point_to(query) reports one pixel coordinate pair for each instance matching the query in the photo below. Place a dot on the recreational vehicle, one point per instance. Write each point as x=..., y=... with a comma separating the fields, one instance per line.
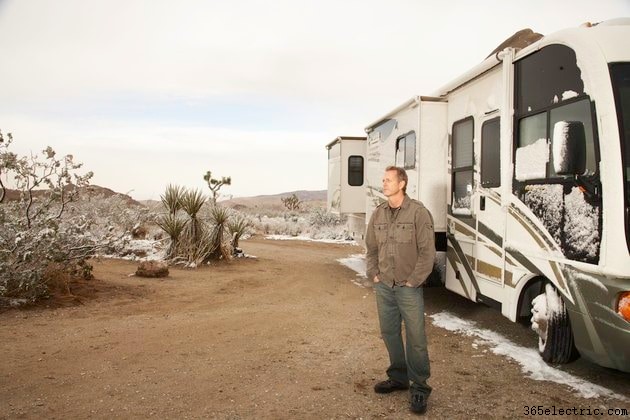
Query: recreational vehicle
x=524, y=162
x=346, y=183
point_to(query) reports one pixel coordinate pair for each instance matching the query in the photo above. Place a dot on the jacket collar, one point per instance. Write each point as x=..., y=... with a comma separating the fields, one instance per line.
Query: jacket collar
x=405, y=202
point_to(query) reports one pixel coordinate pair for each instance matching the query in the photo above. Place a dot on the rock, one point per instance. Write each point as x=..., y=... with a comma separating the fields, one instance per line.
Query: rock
x=152, y=269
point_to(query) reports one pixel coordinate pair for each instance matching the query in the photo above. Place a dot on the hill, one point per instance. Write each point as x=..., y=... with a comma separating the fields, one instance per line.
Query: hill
x=310, y=198
x=91, y=190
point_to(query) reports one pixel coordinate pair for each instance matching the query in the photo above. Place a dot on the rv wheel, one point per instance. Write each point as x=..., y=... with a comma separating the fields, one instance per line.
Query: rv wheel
x=550, y=321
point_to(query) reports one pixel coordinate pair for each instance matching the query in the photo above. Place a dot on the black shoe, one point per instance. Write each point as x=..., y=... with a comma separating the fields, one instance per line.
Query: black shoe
x=418, y=403
x=388, y=386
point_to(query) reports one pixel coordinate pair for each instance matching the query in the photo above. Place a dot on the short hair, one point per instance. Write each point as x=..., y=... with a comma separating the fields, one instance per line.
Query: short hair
x=401, y=174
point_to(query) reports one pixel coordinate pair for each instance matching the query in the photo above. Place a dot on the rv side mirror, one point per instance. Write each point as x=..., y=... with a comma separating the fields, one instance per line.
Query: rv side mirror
x=569, y=148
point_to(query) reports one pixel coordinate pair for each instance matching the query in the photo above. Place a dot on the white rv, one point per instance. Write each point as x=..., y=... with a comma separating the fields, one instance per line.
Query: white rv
x=524, y=162
x=346, y=183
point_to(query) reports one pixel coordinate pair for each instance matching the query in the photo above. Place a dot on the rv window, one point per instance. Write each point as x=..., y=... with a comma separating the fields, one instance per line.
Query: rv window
x=533, y=158
x=490, y=154
x=462, y=166
x=406, y=151
x=547, y=77
x=355, y=171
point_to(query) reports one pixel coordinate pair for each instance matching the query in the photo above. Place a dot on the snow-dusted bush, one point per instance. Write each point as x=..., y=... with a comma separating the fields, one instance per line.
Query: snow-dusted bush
x=314, y=222
x=41, y=240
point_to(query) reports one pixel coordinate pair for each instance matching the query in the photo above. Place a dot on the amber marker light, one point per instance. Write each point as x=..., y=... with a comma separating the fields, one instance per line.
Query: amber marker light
x=623, y=305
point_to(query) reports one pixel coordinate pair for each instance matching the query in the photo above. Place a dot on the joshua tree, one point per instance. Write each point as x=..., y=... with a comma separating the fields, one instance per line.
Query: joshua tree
x=292, y=202
x=216, y=184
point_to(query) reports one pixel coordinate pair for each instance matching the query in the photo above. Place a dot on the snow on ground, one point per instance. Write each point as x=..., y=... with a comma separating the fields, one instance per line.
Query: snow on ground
x=356, y=262
x=529, y=359
x=306, y=238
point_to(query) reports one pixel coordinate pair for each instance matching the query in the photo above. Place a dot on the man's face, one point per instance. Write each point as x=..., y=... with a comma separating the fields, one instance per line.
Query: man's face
x=391, y=184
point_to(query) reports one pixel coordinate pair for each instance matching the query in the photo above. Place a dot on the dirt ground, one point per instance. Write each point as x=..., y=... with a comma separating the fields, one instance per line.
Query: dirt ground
x=286, y=335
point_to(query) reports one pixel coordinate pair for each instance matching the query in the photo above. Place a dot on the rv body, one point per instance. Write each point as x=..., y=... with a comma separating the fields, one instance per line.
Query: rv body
x=528, y=177
x=414, y=137
x=346, y=183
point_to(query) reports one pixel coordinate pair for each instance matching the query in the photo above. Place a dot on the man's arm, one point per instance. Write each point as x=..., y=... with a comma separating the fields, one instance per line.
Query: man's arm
x=425, y=242
x=371, y=246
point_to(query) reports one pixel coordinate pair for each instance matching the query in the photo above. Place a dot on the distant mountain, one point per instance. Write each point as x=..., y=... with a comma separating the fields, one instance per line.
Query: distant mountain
x=312, y=198
x=303, y=195
x=92, y=190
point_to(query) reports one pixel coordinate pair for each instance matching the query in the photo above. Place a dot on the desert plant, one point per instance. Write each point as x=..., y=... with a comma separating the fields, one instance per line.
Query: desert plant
x=38, y=239
x=292, y=202
x=220, y=218
x=216, y=184
x=238, y=226
x=172, y=198
x=191, y=202
x=173, y=225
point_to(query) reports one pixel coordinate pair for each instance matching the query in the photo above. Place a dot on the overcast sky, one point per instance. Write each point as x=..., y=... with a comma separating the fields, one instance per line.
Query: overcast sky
x=151, y=92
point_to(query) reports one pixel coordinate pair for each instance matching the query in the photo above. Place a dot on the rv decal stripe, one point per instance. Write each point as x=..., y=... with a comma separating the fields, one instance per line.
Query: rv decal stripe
x=453, y=260
x=522, y=259
x=463, y=229
x=509, y=278
x=489, y=270
x=538, y=236
x=462, y=257
x=490, y=234
x=530, y=227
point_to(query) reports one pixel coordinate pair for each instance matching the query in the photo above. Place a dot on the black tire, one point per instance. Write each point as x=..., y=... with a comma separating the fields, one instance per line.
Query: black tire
x=556, y=344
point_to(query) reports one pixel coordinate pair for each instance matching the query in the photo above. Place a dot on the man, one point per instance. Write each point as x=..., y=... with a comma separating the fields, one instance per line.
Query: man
x=400, y=253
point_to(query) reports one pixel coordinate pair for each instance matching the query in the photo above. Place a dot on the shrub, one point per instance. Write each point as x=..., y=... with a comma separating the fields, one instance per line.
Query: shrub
x=40, y=243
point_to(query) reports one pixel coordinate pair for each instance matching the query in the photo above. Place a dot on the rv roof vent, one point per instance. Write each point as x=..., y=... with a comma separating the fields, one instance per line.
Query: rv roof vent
x=519, y=40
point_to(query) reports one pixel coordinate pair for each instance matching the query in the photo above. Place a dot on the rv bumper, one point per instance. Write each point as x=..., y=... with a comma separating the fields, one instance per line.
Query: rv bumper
x=601, y=334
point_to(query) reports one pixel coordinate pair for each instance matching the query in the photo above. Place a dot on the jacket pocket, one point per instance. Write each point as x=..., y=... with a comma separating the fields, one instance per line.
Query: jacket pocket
x=380, y=231
x=404, y=233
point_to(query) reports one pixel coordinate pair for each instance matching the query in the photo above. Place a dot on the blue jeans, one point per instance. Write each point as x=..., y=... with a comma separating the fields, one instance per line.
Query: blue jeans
x=396, y=304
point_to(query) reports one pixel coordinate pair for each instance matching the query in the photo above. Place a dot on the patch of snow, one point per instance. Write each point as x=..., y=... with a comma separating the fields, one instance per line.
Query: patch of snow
x=462, y=211
x=568, y=94
x=308, y=239
x=581, y=225
x=355, y=262
x=529, y=359
x=531, y=160
x=555, y=99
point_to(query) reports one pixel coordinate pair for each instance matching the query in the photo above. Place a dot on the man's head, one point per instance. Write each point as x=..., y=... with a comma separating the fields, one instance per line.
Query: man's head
x=394, y=180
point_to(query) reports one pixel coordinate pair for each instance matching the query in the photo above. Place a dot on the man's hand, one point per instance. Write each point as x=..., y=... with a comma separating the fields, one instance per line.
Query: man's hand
x=409, y=285
x=376, y=280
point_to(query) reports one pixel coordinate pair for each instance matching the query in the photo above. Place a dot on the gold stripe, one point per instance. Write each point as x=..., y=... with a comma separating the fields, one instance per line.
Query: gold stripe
x=462, y=229
x=488, y=270
x=509, y=278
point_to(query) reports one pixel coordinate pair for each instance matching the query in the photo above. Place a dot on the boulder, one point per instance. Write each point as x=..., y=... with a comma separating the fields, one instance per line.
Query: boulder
x=152, y=269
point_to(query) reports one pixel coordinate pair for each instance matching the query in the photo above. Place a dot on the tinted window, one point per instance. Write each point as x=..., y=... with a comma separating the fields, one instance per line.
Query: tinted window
x=355, y=171
x=490, y=154
x=462, y=166
x=545, y=77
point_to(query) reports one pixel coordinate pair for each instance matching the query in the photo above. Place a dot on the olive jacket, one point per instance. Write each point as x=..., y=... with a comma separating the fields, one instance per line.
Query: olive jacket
x=400, y=244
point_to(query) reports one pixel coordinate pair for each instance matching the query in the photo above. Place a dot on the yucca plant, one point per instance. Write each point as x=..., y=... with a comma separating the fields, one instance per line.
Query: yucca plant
x=173, y=225
x=237, y=227
x=221, y=246
x=191, y=202
x=197, y=253
x=172, y=198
